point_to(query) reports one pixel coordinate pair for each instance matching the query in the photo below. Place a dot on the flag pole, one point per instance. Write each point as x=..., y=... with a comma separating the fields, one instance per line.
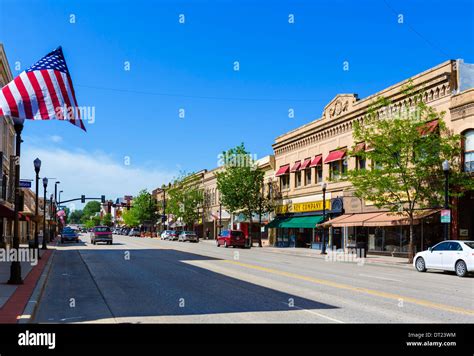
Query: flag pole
x=15, y=269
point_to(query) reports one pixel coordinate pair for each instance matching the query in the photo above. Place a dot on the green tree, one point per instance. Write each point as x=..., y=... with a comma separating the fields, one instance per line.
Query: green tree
x=90, y=209
x=75, y=217
x=107, y=220
x=93, y=221
x=130, y=218
x=185, y=198
x=240, y=184
x=407, y=150
x=145, y=207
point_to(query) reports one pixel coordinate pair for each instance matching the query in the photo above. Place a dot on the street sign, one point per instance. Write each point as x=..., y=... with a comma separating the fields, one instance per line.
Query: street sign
x=25, y=184
x=445, y=216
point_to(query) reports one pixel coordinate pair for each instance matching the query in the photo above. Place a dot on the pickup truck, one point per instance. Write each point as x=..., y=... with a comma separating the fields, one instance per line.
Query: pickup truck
x=101, y=234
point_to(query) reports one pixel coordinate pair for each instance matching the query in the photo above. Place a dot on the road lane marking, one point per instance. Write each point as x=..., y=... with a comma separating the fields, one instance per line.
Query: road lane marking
x=377, y=277
x=316, y=313
x=362, y=290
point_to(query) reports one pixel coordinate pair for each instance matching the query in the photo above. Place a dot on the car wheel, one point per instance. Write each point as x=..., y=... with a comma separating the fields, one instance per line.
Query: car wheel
x=461, y=268
x=217, y=243
x=225, y=244
x=420, y=264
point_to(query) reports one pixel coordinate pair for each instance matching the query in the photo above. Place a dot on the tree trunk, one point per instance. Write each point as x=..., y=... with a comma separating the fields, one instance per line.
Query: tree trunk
x=410, y=244
x=250, y=229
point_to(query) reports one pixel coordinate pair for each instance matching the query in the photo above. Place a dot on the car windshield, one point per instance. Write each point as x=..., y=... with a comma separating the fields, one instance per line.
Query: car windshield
x=469, y=244
x=102, y=229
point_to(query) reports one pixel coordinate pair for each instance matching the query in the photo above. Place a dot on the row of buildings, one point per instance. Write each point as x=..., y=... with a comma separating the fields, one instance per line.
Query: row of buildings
x=7, y=179
x=314, y=153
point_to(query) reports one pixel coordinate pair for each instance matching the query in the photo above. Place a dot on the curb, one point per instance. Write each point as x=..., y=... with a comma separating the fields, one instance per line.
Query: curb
x=32, y=305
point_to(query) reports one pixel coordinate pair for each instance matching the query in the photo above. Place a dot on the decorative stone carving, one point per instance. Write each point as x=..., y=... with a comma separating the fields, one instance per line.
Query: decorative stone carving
x=341, y=104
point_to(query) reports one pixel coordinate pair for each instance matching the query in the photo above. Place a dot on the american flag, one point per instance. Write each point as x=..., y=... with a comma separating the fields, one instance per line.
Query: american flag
x=42, y=92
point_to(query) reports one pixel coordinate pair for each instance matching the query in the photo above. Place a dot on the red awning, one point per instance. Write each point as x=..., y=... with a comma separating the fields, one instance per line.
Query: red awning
x=428, y=127
x=335, y=156
x=359, y=147
x=305, y=163
x=296, y=167
x=316, y=161
x=283, y=170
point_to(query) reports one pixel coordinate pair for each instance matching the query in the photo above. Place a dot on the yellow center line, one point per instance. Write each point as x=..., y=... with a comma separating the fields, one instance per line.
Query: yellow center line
x=362, y=290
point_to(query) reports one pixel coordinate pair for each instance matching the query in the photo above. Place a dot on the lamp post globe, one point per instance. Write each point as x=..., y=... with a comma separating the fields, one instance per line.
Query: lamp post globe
x=37, y=165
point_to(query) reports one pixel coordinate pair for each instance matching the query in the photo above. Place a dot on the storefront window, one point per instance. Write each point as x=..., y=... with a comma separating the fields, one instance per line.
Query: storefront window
x=285, y=182
x=308, y=176
x=360, y=163
x=469, y=151
x=297, y=179
x=319, y=174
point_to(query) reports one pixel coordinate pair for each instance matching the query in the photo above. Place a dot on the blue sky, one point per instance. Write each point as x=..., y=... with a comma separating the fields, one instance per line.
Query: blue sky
x=190, y=66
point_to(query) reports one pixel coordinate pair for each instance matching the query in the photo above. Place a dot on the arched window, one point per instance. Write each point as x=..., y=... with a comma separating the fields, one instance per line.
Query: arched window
x=469, y=151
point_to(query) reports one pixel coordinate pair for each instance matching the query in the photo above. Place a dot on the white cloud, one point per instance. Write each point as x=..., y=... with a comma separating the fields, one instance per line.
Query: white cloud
x=90, y=173
x=56, y=138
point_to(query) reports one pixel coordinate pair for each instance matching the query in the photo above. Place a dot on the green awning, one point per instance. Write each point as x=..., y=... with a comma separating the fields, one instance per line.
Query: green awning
x=307, y=222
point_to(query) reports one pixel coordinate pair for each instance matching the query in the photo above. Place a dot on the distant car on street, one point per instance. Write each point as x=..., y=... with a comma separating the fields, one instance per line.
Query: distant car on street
x=169, y=235
x=234, y=238
x=101, y=234
x=69, y=234
x=453, y=255
x=188, y=236
x=124, y=231
x=134, y=232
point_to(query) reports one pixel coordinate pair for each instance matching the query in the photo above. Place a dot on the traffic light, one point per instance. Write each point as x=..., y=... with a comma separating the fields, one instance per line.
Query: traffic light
x=109, y=207
x=102, y=199
x=128, y=206
x=83, y=198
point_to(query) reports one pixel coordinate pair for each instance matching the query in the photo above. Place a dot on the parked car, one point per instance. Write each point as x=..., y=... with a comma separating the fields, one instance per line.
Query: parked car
x=169, y=235
x=452, y=255
x=69, y=234
x=231, y=238
x=188, y=236
x=124, y=231
x=134, y=232
x=101, y=234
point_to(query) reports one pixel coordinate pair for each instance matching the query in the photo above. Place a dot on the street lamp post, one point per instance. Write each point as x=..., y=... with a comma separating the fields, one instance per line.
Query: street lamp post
x=446, y=195
x=37, y=165
x=15, y=268
x=45, y=185
x=323, y=247
x=51, y=221
x=55, y=210
x=59, y=196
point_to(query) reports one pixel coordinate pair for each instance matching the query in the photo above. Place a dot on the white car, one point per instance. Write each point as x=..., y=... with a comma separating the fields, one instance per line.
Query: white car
x=451, y=255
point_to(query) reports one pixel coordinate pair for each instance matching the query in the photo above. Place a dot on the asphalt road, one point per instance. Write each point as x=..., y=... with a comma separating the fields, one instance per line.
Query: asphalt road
x=139, y=280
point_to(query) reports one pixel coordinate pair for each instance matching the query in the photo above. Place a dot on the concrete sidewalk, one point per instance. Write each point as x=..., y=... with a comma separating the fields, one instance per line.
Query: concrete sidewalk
x=345, y=257
x=14, y=298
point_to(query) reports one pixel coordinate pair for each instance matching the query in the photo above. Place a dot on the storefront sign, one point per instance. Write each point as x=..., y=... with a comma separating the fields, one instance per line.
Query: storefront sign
x=446, y=216
x=463, y=232
x=302, y=207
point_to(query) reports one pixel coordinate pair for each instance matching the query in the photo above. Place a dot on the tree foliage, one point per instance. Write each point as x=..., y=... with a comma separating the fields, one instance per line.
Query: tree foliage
x=75, y=217
x=144, y=207
x=407, y=149
x=130, y=218
x=90, y=210
x=185, y=199
x=240, y=184
x=107, y=220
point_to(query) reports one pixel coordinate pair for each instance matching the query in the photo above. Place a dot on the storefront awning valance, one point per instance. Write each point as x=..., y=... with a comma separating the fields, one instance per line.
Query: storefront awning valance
x=305, y=163
x=377, y=219
x=296, y=167
x=335, y=156
x=359, y=147
x=352, y=219
x=283, y=170
x=428, y=127
x=300, y=222
x=316, y=161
